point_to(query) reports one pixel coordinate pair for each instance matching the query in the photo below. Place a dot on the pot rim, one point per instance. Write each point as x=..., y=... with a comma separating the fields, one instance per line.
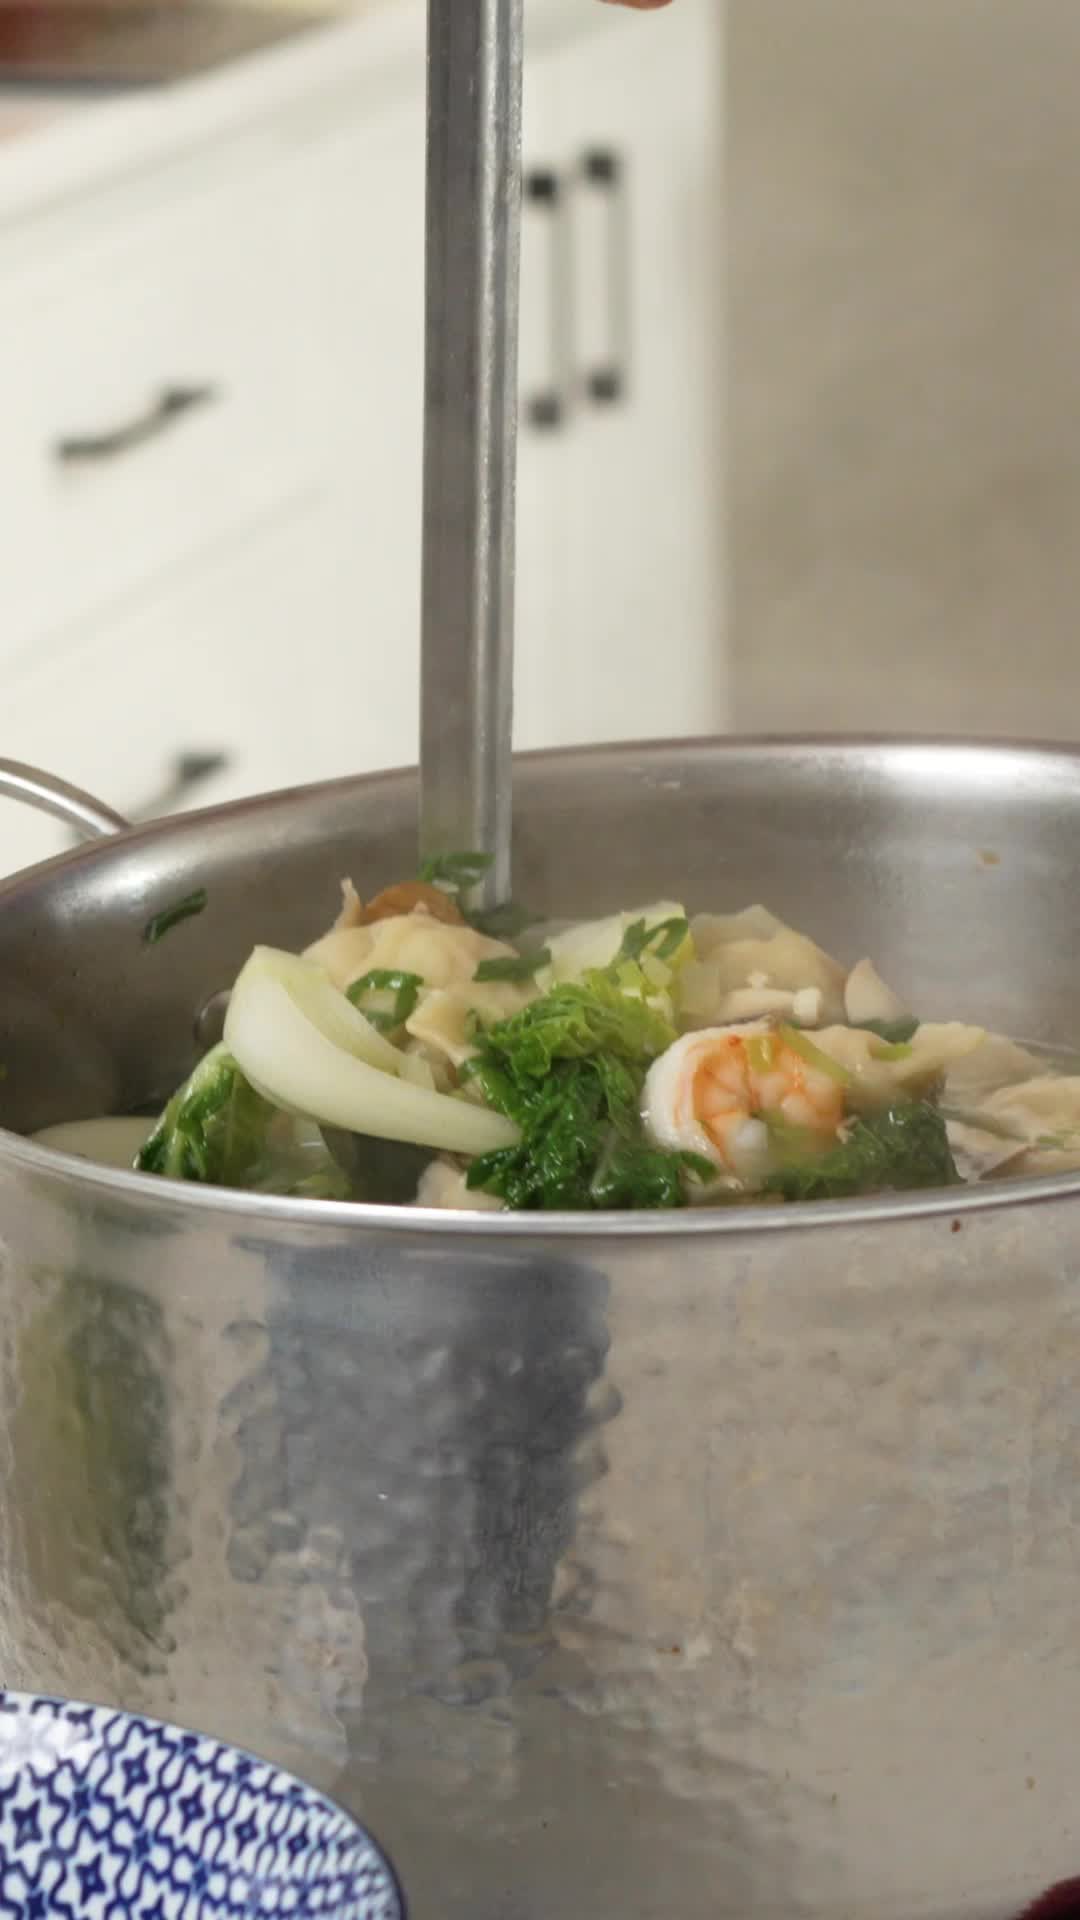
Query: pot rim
x=152, y=1191
x=145, y=1191
x=994, y=749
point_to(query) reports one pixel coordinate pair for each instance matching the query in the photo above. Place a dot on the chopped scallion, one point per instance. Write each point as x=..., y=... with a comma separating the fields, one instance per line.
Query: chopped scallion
x=894, y=1032
x=170, y=917
x=369, y=995
x=796, y=1040
x=513, y=966
x=761, y=1052
x=662, y=941
x=891, y=1049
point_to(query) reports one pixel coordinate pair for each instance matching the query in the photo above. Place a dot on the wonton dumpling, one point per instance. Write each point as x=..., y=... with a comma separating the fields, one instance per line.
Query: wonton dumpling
x=978, y=1154
x=408, y=896
x=995, y=1062
x=1045, y=1113
x=442, y=955
x=446, y=959
x=1049, y=1103
x=877, y=1080
x=443, y=1018
x=1043, y=1117
x=719, y=929
x=595, y=943
x=753, y=950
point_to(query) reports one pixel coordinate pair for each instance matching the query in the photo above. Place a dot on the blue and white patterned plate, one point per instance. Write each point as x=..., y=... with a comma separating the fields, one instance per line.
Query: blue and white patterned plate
x=105, y=1816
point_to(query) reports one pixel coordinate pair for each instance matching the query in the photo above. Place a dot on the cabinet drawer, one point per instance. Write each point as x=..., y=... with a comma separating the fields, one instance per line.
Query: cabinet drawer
x=258, y=658
x=154, y=398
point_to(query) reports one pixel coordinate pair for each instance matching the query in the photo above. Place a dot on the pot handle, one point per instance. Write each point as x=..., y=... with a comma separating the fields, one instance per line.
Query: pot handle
x=87, y=817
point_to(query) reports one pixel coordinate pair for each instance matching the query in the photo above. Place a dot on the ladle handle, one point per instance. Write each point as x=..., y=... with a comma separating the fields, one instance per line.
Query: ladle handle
x=470, y=429
x=91, y=819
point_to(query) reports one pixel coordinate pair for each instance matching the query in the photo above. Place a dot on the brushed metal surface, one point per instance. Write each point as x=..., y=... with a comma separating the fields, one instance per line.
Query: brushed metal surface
x=473, y=248
x=90, y=819
x=611, y=1568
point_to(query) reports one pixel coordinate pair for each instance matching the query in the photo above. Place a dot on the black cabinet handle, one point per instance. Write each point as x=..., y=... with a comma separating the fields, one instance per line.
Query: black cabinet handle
x=170, y=406
x=187, y=771
x=607, y=379
x=547, y=405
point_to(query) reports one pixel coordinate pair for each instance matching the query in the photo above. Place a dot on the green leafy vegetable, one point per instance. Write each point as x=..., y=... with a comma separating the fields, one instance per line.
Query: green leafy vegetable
x=901, y=1148
x=574, y=1021
x=370, y=994
x=896, y=1033
x=568, y=1070
x=513, y=966
x=218, y=1131
x=170, y=917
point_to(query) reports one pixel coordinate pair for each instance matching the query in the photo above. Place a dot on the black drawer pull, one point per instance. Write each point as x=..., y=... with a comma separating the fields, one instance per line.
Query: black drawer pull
x=171, y=405
x=547, y=406
x=607, y=381
x=186, y=771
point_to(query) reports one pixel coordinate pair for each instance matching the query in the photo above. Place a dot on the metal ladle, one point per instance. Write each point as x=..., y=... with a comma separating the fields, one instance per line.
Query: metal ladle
x=470, y=445
x=470, y=431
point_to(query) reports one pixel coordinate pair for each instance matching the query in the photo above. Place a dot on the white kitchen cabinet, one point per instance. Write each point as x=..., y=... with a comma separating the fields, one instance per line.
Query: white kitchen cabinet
x=618, y=624
x=243, y=663
x=623, y=482
x=246, y=582
x=154, y=402
x=361, y=184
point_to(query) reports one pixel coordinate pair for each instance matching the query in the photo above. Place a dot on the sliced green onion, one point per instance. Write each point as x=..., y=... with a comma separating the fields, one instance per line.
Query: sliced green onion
x=657, y=972
x=794, y=1142
x=891, y=1050
x=405, y=988
x=893, y=1032
x=513, y=966
x=170, y=917
x=796, y=1039
x=504, y=922
x=674, y=932
x=456, y=872
x=661, y=940
x=761, y=1052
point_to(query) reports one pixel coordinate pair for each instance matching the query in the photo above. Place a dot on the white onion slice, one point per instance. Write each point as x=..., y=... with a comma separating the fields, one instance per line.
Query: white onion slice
x=324, y=1004
x=306, y=1048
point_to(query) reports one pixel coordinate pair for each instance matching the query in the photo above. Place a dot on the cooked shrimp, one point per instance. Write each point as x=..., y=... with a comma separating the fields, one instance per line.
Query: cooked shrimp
x=714, y=1091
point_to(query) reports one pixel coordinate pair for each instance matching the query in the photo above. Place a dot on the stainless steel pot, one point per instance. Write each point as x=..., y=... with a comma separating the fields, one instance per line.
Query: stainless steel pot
x=716, y=1567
